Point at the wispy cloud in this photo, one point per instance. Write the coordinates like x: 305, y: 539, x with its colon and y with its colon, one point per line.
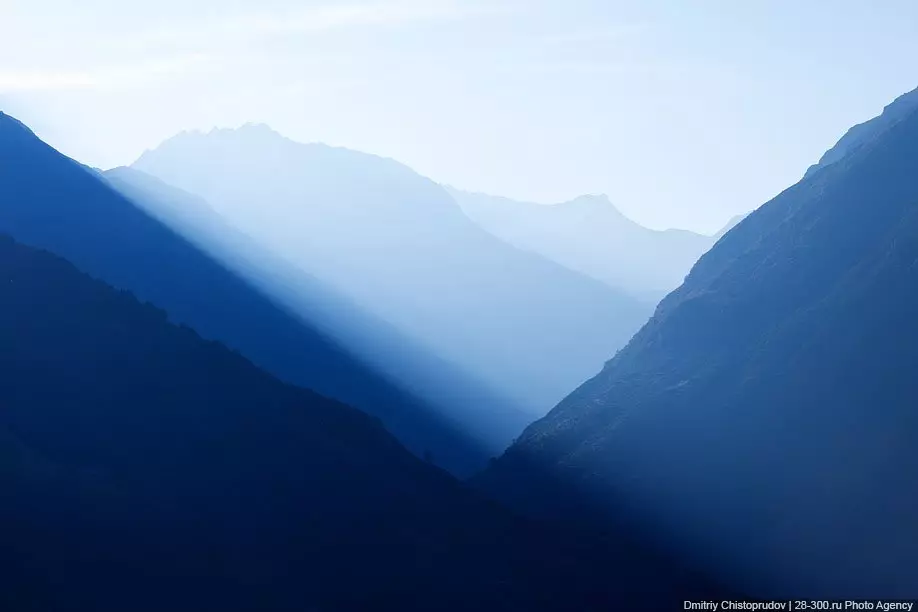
x: 139, y: 73
x: 621, y: 32
x: 583, y: 67
x: 315, y: 19
x: 15, y: 82
x: 151, y: 55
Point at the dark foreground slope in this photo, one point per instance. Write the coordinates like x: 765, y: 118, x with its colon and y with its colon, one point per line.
x: 144, y: 468
x: 49, y: 201
x: 767, y: 413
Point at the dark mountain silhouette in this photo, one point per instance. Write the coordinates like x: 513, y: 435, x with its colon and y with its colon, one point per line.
x: 593, y: 237
x: 462, y: 402
x: 765, y: 416
x: 398, y: 245
x: 145, y: 468
x: 862, y: 133
x: 51, y: 202
x: 733, y: 222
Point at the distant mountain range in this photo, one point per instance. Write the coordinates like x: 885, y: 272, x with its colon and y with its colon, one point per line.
x: 51, y: 202
x: 398, y: 245
x: 467, y: 422
x: 764, y: 418
x: 146, y: 466
x: 591, y: 236
x: 215, y: 363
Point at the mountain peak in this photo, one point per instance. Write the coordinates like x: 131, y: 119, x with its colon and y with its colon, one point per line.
x: 895, y: 111
x: 593, y: 203
x: 255, y: 127
x: 591, y: 236
x: 906, y: 101
x: 249, y: 130
x: 596, y: 198
x: 797, y: 327
x: 10, y: 122
x: 253, y: 139
x: 249, y: 136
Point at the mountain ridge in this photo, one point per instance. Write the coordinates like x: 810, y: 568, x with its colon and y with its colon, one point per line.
x: 491, y: 421
x: 55, y: 203
x: 590, y: 235
x: 775, y: 380
x: 397, y: 244
x: 861, y: 133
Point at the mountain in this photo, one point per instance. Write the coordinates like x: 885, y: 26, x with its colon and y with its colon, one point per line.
x: 591, y: 236
x: 397, y: 244
x: 765, y: 416
x: 51, y: 202
x: 465, y: 405
x: 733, y: 222
x: 862, y: 133
x: 146, y: 468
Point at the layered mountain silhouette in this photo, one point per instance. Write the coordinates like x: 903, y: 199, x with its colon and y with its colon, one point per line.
x: 765, y: 416
x: 463, y: 404
x: 863, y: 133
x: 399, y: 246
x: 593, y: 237
x: 146, y: 468
x: 51, y: 202
x: 733, y: 222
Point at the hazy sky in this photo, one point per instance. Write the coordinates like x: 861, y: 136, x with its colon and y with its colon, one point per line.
x: 684, y: 112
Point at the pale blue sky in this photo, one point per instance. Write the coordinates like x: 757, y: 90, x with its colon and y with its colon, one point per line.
x: 683, y: 112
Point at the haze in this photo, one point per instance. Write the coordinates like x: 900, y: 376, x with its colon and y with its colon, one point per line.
x: 681, y: 116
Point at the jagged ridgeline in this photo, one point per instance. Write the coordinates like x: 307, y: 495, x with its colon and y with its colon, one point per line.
x: 400, y: 246
x: 146, y: 467
x: 49, y: 201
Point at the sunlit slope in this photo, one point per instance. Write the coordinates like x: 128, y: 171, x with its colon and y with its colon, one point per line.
x: 400, y: 247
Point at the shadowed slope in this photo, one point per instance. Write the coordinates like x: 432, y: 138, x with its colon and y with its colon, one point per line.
x: 52, y: 202
x: 766, y: 413
x: 863, y: 133
x: 145, y: 468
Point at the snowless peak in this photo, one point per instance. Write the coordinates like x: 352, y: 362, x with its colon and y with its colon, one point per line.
x: 594, y: 203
